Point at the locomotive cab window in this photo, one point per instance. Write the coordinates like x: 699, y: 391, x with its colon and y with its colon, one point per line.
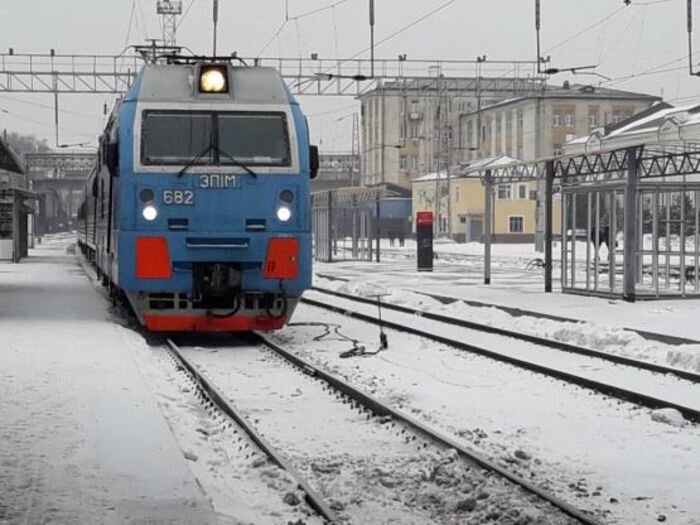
x: 215, y: 139
x: 175, y: 138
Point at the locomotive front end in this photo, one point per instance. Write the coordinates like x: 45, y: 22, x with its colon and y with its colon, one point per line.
x: 213, y: 224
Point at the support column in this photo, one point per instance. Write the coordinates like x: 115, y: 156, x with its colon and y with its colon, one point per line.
x: 488, y: 227
x: 630, y: 248
x: 330, y: 226
x: 548, y: 224
x: 379, y: 226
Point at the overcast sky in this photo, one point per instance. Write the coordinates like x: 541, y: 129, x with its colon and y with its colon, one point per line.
x: 623, y: 41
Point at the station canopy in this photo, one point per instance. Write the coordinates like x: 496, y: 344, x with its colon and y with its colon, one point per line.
x: 9, y: 161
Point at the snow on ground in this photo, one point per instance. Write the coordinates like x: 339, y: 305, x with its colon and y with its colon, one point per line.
x: 369, y: 470
x: 82, y: 440
x: 613, y: 339
x: 239, y: 480
x: 599, y: 453
x: 458, y: 272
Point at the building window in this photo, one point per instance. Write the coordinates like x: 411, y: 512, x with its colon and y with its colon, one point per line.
x: 403, y: 163
x: 520, y: 119
x: 498, y: 124
x: 569, y: 121
x: 504, y: 191
x: 557, y: 120
x: 516, y: 224
x: 414, y: 163
x: 593, y: 120
x: 522, y: 191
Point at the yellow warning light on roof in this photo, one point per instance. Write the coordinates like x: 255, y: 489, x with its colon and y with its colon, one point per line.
x: 213, y: 79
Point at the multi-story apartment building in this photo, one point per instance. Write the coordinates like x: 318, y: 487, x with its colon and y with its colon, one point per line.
x: 537, y: 126
x: 414, y: 128
x: 410, y: 127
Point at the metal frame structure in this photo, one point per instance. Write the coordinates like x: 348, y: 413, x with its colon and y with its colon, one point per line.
x: 114, y: 74
x: 635, y: 185
x: 57, y: 178
x: 346, y: 224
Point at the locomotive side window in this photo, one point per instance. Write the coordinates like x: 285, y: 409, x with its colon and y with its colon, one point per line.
x: 212, y: 139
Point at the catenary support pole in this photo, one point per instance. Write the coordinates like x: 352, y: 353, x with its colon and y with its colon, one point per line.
x: 630, y: 229
x: 379, y: 226
x: 548, y: 224
x: 330, y: 226
x: 488, y: 228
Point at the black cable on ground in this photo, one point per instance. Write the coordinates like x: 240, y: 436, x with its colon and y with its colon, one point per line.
x: 357, y: 349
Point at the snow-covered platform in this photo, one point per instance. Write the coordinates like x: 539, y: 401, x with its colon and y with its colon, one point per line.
x: 82, y: 439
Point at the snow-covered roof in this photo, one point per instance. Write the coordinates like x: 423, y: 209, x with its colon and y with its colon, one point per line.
x: 435, y: 175
x: 659, y: 124
x: 478, y: 165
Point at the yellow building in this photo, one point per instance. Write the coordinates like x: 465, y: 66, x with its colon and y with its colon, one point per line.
x: 514, y: 208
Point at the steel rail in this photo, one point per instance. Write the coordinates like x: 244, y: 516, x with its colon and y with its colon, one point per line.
x: 314, y: 499
x: 431, y: 434
x: 520, y: 312
x: 604, y: 388
x: 541, y: 341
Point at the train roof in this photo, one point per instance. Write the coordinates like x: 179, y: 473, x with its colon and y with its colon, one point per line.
x: 176, y: 83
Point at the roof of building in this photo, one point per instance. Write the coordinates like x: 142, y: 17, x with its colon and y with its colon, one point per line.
x: 458, y: 83
x: 526, y: 89
x: 661, y: 123
x: 573, y: 92
x: 9, y: 161
x: 478, y: 165
x: 435, y: 176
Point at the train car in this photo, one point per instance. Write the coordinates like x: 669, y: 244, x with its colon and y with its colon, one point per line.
x: 198, y: 210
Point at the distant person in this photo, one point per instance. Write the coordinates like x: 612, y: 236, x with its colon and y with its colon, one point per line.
x: 602, y: 237
x: 402, y: 238
x: 392, y: 236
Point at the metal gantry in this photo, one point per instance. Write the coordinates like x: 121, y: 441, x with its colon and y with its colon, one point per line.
x: 114, y: 74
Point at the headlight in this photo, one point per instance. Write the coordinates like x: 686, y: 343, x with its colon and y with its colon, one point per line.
x: 212, y: 79
x: 284, y: 213
x: 150, y: 213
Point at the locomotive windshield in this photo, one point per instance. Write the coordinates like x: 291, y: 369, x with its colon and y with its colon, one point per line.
x: 251, y: 138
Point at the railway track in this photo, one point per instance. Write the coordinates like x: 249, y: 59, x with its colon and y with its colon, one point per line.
x: 643, y: 383
x: 356, y: 458
x: 519, y: 312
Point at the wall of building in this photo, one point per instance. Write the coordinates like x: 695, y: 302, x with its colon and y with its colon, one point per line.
x: 516, y: 131
x: 468, y: 203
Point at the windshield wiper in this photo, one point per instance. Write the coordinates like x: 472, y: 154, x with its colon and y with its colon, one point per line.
x: 234, y: 161
x: 219, y: 152
x: 196, y: 159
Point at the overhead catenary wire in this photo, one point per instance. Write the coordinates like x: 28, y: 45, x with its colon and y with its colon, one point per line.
x: 47, y: 106
x: 296, y: 19
x: 144, y: 27
x: 182, y: 18
x: 44, y: 124
x: 405, y: 28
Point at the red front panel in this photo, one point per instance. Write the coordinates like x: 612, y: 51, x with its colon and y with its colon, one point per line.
x: 153, y: 258
x: 282, y: 260
x: 193, y: 323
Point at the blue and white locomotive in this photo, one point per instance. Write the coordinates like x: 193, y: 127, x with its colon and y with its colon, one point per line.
x: 198, y: 211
